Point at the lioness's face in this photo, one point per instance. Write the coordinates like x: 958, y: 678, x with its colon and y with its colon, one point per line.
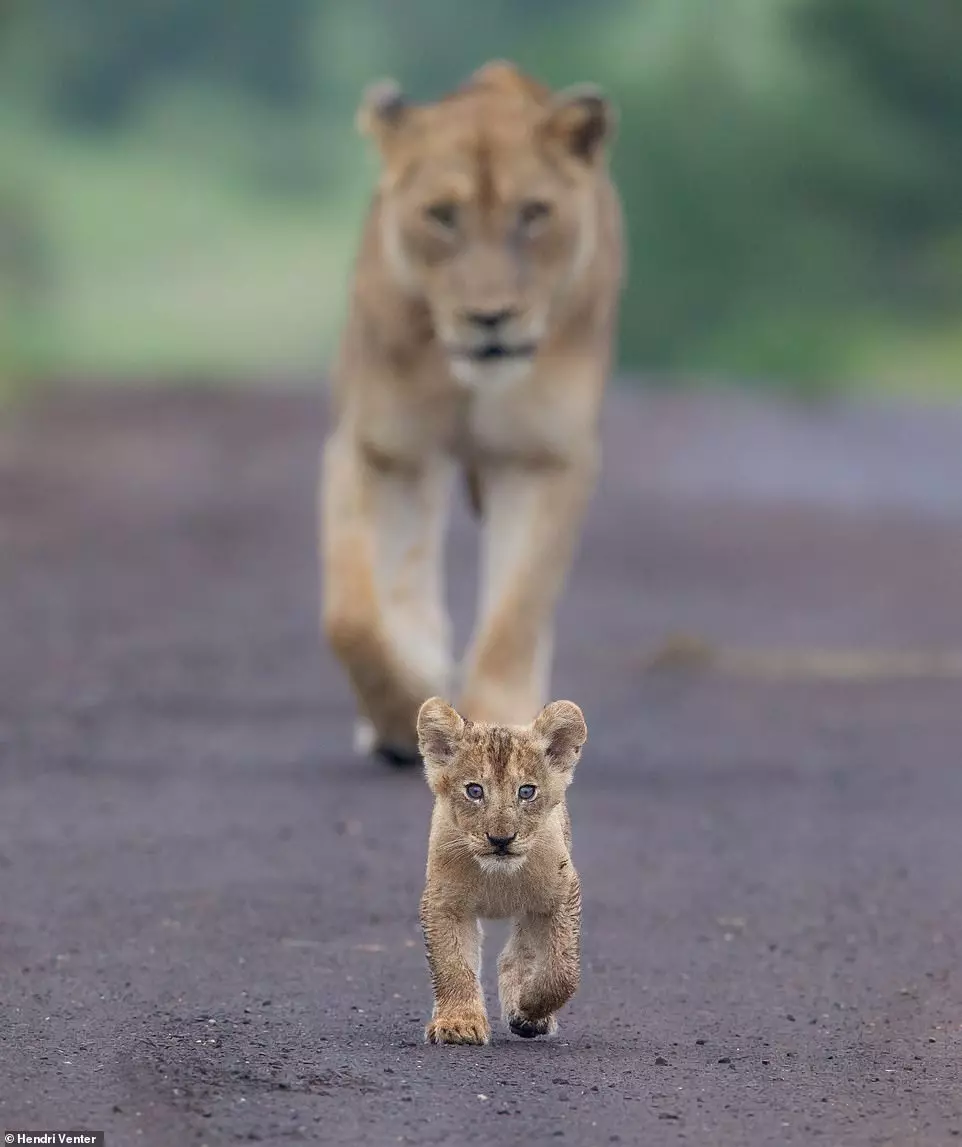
x: 499, y: 784
x: 488, y: 212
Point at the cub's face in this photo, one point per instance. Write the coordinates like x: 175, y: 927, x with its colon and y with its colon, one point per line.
x: 488, y: 212
x: 499, y: 784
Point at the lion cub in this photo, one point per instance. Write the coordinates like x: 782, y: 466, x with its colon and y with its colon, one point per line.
x: 500, y: 848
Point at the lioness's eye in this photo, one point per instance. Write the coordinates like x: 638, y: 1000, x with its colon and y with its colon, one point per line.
x: 443, y: 214
x: 534, y: 212
x: 474, y: 792
x: 526, y: 792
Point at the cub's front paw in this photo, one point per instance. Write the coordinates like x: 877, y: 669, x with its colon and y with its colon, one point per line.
x: 468, y: 1027
x: 528, y: 1028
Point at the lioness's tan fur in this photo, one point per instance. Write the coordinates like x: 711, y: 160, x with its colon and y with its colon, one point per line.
x: 504, y: 854
x: 495, y: 230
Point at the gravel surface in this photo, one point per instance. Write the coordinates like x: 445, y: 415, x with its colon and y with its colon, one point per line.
x: 208, y: 907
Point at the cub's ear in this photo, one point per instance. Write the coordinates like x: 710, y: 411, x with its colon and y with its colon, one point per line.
x: 581, y: 119
x: 382, y: 109
x: 561, y: 725
x: 440, y: 729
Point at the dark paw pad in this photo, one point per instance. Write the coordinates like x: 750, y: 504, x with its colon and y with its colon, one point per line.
x: 398, y: 756
x: 528, y: 1029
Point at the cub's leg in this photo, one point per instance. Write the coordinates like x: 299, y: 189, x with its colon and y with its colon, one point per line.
x: 381, y: 536
x: 516, y: 958
x: 453, y: 946
x: 534, y: 517
x: 540, y: 967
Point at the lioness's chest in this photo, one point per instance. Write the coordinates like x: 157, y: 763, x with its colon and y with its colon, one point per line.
x: 500, y: 424
x: 511, y: 424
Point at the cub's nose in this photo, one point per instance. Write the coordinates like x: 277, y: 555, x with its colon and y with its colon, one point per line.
x: 501, y: 842
x: 489, y: 320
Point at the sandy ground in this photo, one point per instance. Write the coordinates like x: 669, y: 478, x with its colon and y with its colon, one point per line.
x: 208, y: 907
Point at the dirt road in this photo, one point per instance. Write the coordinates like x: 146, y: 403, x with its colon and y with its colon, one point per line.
x: 208, y: 907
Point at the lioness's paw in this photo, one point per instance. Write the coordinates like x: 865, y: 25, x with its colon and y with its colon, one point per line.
x: 470, y: 1028
x: 528, y: 1028
x: 364, y: 737
x: 398, y: 756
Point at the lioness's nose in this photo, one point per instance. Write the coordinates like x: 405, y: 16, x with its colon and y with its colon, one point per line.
x: 488, y: 320
x: 501, y: 842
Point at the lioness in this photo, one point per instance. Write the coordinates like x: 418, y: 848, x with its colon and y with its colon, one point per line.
x: 479, y: 335
x: 500, y: 847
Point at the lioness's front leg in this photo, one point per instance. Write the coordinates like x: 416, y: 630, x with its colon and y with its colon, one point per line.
x: 540, y: 967
x: 381, y: 534
x: 453, y: 946
x: 534, y: 517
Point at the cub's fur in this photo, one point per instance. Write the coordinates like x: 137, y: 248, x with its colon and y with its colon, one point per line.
x: 479, y: 334
x: 500, y: 848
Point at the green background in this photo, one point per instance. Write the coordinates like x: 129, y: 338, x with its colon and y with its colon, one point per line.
x: 181, y: 186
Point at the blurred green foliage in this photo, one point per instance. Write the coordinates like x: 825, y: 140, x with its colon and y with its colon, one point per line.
x: 181, y: 186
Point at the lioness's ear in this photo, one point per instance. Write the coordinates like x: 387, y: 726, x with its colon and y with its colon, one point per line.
x: 582, y: 119
x: 440, y: 728
x: 562, y: 727
x: 381, y: 110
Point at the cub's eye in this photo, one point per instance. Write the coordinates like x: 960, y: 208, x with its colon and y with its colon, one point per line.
x: 474, y: 792
x: 533, y: 213
x: 527, y: 792
x: 443, y: 215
